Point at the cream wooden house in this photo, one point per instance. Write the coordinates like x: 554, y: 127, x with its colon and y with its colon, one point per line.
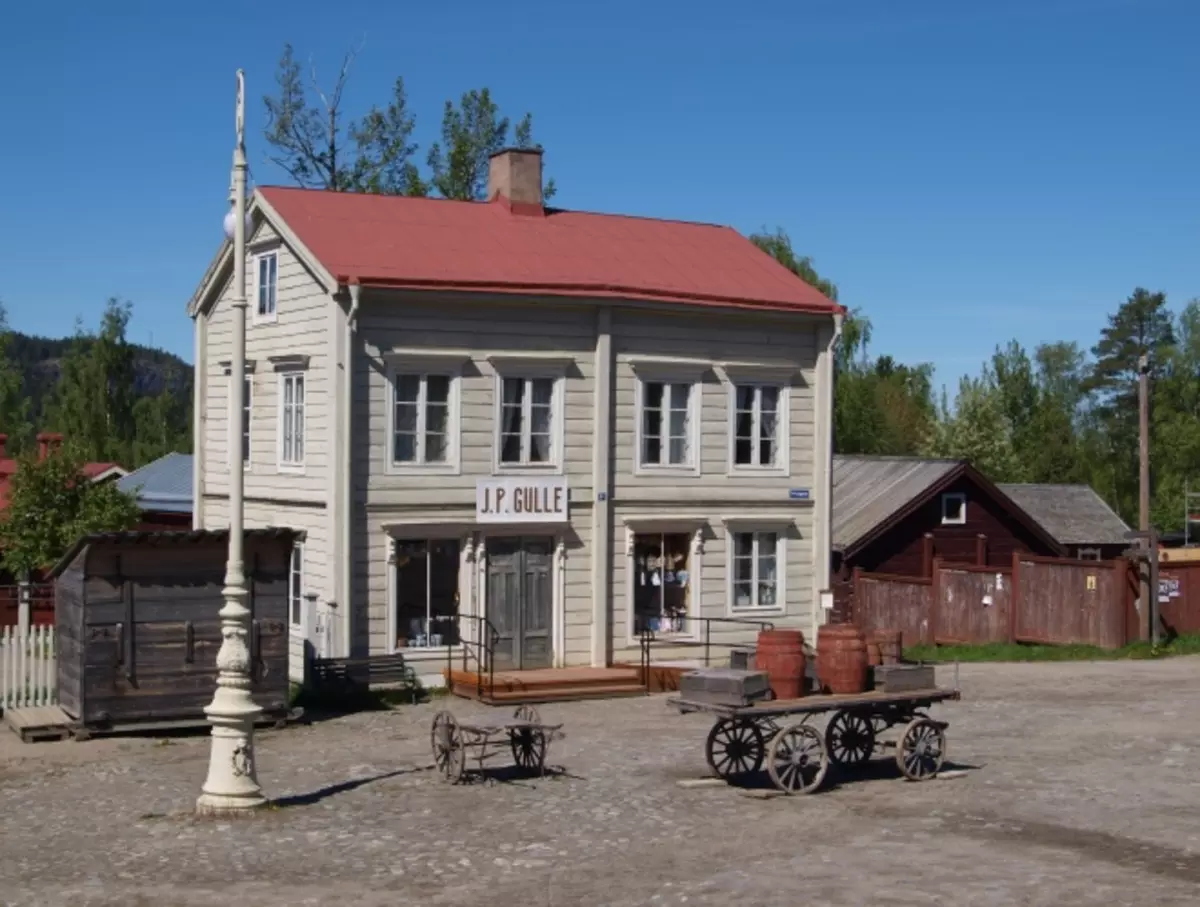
x: 578, y: 426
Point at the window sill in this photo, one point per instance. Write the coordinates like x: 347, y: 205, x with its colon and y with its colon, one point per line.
x: 750, y: 611
x: 290, y: 469
x: 736, y: 471
x: 423, y: 469
x: 518, y: 469
x: 428, y: 653
x: 264, y: 319
x: 653, y: 471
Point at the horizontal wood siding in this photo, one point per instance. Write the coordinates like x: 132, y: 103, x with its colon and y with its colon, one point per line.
x: 318, y: 554
x: 736, y: 338
x: 490, y: 326
x: 301, y: 329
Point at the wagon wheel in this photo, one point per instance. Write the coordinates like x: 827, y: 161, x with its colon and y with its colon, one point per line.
x: 797, y: 760
x: 922, y: 749
x: 734, y: 749
x: 850, y: 738
x: 528, y: 743
x: 449, y: 753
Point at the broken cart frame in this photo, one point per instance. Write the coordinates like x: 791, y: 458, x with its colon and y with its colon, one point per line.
x: 527, y: 737
x: 797, y: 754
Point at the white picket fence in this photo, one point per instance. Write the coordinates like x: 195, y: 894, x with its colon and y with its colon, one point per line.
x: 28, y: 669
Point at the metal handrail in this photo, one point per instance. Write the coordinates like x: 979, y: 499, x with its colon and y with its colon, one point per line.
x: 483, y: 650
x: 648, y: 638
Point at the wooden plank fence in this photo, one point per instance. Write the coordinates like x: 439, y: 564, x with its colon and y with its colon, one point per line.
x: 1035, y: 600
x: 28, y: 667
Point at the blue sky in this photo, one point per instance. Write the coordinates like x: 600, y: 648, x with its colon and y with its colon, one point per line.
x: 967, y: 171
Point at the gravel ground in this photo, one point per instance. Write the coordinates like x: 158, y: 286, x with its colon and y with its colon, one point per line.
x: 1080, y: 787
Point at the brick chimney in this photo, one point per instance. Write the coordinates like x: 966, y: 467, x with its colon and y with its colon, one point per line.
x: 515, y: 175
x: 48, y: 442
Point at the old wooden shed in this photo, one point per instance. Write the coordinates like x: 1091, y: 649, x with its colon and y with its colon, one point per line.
x: 138, y: 629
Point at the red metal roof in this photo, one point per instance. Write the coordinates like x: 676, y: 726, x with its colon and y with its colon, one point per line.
x: 8, y: 469
x: 484, y: 247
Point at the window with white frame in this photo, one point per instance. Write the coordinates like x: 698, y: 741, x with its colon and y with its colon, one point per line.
x: 267, y: 285
x: 954, y: 508
x: 296, y: 586
x: 755, y: 576
x: 421, y: 419
x: 757, y: 425
x: 426, y: 590
x: 666, y: 423
x: 526, y: 425
x: 291, y: 419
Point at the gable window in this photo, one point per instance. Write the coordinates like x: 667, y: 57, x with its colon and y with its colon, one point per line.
x: 296, y: 586
x: 526, y: 426
x: 755, y: 578
x: 1088, y: 554
x: 666, y: 420
x: 266, y: 268
x: 421, y: 416
x: 291, y: 419
x: 954, y: 508
x: 756, y: 425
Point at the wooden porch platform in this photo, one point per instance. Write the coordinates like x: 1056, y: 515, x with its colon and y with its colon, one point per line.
x: 546, y: 684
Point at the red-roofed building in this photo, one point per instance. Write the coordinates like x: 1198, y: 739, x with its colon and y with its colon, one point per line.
x: 574, y: 429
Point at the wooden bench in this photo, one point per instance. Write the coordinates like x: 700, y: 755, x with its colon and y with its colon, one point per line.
x: 358, y: 675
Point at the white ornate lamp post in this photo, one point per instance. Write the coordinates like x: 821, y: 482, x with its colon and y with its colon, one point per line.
x: 232, y: 783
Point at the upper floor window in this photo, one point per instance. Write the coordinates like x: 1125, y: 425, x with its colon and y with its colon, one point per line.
x: 266, y: 268
x: 954, y: 508
x: 291, y: 419
x: 756, y: 425
x: 666, y: 421
x: 421, y: 420
x: 526, y: 429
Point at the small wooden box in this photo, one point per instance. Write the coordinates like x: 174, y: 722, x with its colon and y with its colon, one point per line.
x: 723, y: 686
x: 903, y: 678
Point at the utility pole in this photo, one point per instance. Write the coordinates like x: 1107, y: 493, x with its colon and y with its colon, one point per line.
x: 1149, y: 595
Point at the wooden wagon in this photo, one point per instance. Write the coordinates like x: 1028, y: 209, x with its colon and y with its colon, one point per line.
x: 528, y: 739
x: 797, y: 755
x: 138, y: 631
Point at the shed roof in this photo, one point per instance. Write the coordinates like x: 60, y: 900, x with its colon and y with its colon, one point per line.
x: 1073, y: 514
x: 168, y: 537
x: 867, y: 490
x: 484, y: 247
x: 164, y: 485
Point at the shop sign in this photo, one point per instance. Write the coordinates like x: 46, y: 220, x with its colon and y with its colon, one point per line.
x: 517, y: 499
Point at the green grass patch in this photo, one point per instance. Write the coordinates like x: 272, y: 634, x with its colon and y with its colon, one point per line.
x: 1001, y: 651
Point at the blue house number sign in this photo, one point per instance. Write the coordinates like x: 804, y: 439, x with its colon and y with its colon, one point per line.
x: 798, y: 494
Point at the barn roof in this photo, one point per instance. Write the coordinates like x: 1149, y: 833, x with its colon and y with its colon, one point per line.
x: 164, y: 485
x: 1073, y: 514
x: 868, y: 490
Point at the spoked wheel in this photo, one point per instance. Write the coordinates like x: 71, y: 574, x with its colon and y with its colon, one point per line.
x: 797, y: 760
x: 529, y: 744
x: 734, y: 749
x: 850, y: 738
x: 922, y: 749
x: 449, y: 754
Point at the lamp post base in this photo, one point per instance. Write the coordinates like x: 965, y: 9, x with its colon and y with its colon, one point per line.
x: 231, y: 787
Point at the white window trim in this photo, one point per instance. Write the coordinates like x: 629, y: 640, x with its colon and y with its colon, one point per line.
x: 669, y: 371
x: 231, y: 444
x: 531, y: 366
x: 286, y: 466
x: 735, y: 525
x: 426, y: 362
x: 695, y: 528
x: 299, y: 625
x: 468, y: 602
x: 960, y: 497
x: 761, y: 378
x: 272, y: 317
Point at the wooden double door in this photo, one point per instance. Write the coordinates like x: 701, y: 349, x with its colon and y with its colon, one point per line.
x: 520, y: 601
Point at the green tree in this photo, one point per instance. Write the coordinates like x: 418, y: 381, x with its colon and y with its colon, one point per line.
x: 50, y: 505
x: 14, y: 403
x: 1175, y: 427
x: 163, y: 422
x: 779, y: 246
x: 313, y: 144
x: 472, y: 132
x: 93, y: 402
x: 977, y: 430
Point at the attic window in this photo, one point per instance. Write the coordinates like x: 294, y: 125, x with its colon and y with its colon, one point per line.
x: 954, y: 509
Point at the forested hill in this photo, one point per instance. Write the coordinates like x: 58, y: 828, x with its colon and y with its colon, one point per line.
x: 40, y: 362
